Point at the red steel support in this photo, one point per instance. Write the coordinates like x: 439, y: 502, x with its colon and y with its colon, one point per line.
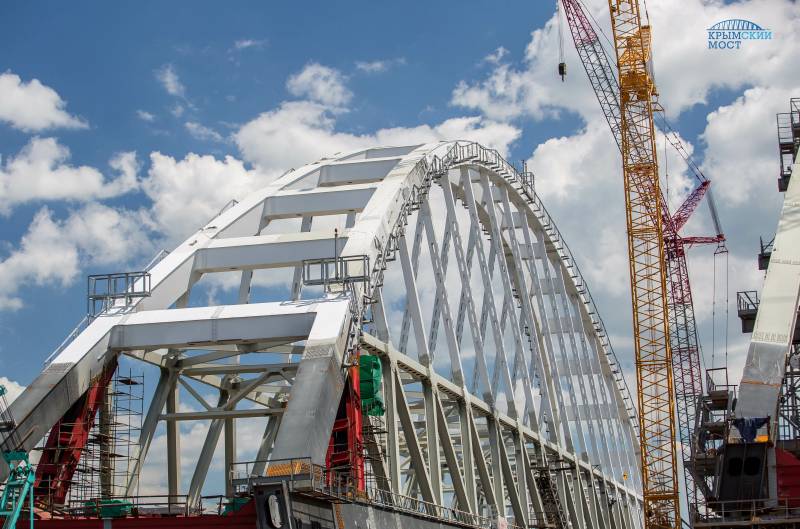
x: 346, y: 448
x: 67, y: 440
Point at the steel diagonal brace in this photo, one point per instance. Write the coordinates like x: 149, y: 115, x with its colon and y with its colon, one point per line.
x: 498, y: 338
x: 441, y: 298
x: 522, y: 289
x: 451, y: 458
x: 412, y: 441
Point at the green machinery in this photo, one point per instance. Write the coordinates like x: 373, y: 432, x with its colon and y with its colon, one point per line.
x: 369, y: 367
x: 19, y: 485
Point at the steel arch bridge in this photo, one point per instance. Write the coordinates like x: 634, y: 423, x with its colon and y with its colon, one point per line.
x: 503, y: 396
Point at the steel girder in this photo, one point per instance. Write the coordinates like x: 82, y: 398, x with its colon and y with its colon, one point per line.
x: 529, y: 396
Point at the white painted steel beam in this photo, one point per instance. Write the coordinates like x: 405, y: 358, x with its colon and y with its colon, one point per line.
x: 776, y: 318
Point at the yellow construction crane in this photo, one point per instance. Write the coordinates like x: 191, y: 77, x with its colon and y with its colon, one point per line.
x: 637, y: 99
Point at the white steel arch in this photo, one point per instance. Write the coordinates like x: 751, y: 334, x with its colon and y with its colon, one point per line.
x: 503, y: 394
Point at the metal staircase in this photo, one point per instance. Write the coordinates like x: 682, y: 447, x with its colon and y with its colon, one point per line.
x: 554, y: 514
x: 19, y: 484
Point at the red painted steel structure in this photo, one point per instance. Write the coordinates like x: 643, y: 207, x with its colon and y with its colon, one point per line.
x: 67, y: 440
x: 346, y: 448
x: 243, y: 518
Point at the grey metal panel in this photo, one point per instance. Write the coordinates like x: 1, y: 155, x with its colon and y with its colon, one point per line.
x: 777, y: 313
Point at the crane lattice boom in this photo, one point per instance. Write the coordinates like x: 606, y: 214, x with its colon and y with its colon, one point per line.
x: 647, y: 266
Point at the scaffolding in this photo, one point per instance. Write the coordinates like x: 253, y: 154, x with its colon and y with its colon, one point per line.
x: 789, y: 403
x: 107, y: 459
x: 788, y: 141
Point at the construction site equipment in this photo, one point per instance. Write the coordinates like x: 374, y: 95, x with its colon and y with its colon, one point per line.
x: 774, y: 326
x: 18, y: 486
x: 648, y: 270
x: 369, y: 367
x: 747, y: 437
x: 684, y: 343
x: 521, y: 323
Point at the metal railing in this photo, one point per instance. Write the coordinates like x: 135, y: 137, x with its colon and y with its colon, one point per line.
x: 104, y: 290
x: 157, y: 258
x: 336, y: 270
x: 303, y: 476
x: 749, y: 510
x: 68, y: 340
x: 717, y: 379
x: 747, y: 300
x: 147, y: 505
x: 228, y: 205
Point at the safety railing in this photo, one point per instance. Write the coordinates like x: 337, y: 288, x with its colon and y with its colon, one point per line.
x: 747, y: 301
x: 68, y: 340
x: 157, y: 258
x: 765, y: 511
x: 344, y: 269
x: 228, y: 205
x: 146, y: 505
x: 303, y: 476
x: 105, y: 290
x: 717, y: 379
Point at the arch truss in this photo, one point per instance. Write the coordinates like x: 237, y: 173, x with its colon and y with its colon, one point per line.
x: 502, y: 394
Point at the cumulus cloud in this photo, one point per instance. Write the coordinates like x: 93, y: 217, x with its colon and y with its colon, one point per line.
x: 168, y: 77
x: 40, y: 171
x: 581, y: 171
x: 32, y: 106
x: 186, y: 193
x: 379, y: 66
x: 145, y: 116
x: 52, y: 251
x: 300, y: 131
x: 496, y: 56
x: 13, y: 389
x: 243, y: 44
x: 321, y: 84
x: 201, y: 132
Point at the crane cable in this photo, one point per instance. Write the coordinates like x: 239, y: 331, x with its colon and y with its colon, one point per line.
x: 721, y: 249
x: 562, y: 65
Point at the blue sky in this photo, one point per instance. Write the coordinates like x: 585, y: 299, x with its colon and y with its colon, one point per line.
x: 149, y: 99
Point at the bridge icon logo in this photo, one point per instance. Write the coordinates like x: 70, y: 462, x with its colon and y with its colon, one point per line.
x: 729, y: 34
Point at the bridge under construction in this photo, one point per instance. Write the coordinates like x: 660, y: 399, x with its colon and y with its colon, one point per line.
x: 401, y: 337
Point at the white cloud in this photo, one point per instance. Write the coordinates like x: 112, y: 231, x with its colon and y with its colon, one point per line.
x: 301, y: 131
x: 321, y: 84
x: 169, y: 79
x: 244, y: 44
x: 13, y: 389
x: 177, y: 110
x: 741, y: 141
x: 145, y: 116
x: 33, y: 106
x: 53, y: 251
x: 496, y: 56
x: 379, y: 66
x: 679, y: 43
x: 372, y: 66
x: 201, y: 132
x: 40, y: 171
x: 581, y: 171
x: 186, y: 193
